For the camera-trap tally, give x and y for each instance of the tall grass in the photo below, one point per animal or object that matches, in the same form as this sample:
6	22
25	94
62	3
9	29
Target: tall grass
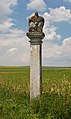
55	102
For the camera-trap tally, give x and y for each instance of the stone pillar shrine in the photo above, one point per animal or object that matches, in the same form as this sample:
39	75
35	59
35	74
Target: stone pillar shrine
35	35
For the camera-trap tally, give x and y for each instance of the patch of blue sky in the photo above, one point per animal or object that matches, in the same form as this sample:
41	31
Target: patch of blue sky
19	15
57	3
64	29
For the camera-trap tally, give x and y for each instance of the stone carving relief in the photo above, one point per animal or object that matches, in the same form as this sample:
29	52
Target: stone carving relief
36	23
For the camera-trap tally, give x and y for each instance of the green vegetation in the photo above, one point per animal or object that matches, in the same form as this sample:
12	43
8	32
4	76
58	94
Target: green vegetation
55	102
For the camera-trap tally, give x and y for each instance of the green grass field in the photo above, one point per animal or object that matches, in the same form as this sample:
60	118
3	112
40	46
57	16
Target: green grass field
55	102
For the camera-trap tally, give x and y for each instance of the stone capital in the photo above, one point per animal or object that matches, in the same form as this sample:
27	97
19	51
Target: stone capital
35	37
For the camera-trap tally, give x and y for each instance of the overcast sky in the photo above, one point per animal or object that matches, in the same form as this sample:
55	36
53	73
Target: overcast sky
15	46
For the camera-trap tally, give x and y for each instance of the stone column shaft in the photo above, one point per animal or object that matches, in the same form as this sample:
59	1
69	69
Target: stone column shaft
35	70
36	63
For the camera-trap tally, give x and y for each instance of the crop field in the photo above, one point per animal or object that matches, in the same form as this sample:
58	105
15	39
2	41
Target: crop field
55	102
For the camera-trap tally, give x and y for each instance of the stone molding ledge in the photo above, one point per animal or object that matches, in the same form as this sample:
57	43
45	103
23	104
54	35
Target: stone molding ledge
35	37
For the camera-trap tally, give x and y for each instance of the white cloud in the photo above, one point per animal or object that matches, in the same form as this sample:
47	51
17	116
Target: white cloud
58	15
55	55
13	41
58	53
5	8
51	51
47	18
50	33
68	0
39	5
24	58
11	36
55	15
15	37
5	43
50	30
67	41
6	25
12	50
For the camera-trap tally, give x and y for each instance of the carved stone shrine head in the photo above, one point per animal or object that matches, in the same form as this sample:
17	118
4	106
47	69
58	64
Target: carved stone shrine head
36	23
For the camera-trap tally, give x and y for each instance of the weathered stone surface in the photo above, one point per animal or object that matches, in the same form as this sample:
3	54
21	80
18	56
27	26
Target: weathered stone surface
35	35
36	23
35	71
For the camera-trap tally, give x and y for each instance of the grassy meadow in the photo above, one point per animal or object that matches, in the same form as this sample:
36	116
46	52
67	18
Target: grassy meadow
55	102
